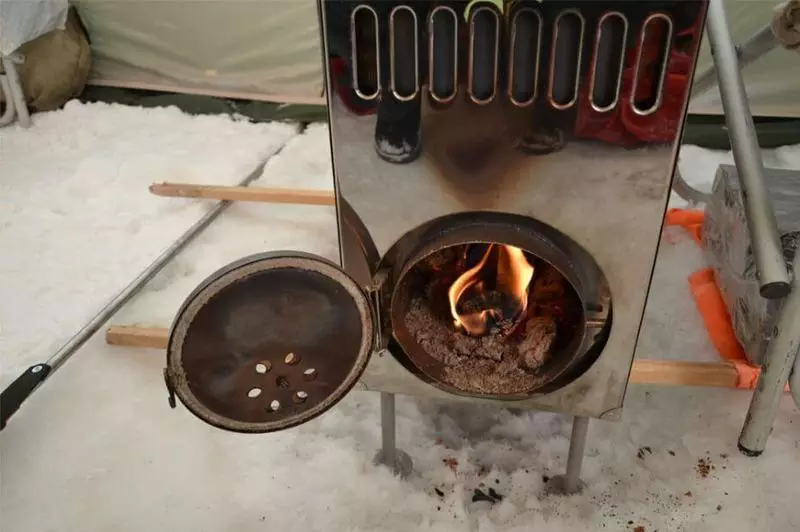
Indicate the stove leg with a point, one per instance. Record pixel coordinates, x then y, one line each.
389 455
571 482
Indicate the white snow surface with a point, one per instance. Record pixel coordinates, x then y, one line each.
97 448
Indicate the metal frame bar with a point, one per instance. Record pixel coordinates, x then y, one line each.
773 276
781 356
753 49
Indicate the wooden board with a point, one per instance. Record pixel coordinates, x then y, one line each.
721 374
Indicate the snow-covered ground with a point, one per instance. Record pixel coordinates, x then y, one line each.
98 449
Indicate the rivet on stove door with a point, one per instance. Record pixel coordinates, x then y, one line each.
291 359
274 406
310 374
300 397
263 366
253 393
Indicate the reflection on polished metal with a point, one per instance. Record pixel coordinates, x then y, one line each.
443 54
662 47
484 54
365 35
566 56
399 35
574 179
609 61
524 55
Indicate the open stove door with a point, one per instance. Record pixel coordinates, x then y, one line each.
269 342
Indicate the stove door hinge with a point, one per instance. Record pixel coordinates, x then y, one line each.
377 296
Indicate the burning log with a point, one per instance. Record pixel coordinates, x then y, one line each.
488 315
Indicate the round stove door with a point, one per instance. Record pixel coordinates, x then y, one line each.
269 342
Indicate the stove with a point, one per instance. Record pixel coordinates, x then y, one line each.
501 174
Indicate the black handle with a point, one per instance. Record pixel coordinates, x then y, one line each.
15 394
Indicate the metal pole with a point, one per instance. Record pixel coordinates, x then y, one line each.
18 391
781 355
763 228
577 445
571 483
794 381
751 50
388 428
389 455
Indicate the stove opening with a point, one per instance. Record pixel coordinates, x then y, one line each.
489 318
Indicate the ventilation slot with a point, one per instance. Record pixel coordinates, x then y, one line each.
404 53
443 52
484 48
609 61
655 43
524 52
565 59
366 60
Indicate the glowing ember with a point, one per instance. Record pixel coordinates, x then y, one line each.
513 276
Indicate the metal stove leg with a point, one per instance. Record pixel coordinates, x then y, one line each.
389 455
775 369
571 482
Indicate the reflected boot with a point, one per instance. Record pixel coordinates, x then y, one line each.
398 131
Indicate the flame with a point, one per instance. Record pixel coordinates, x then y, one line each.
514 274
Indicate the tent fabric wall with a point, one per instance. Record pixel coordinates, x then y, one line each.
773 82
270 50
250 49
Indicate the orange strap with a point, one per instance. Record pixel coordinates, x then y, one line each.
712 307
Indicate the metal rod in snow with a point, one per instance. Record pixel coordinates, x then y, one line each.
18 391
773 277
776 367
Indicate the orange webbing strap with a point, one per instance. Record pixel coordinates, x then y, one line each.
712 307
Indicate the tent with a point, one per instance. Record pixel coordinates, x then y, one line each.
270 50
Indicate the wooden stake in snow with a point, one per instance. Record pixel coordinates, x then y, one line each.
660 372
230 193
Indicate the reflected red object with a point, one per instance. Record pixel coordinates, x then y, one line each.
622 125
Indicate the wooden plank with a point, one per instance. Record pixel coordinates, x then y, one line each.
260 194
684 373
134 336
659 372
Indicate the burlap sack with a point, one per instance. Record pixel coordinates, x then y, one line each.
56 66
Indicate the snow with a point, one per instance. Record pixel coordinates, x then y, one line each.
98 449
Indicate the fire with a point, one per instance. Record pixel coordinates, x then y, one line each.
514 274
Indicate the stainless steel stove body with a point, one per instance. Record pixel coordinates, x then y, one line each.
552 126
525 143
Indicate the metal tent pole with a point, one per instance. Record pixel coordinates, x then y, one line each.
18 391
772 274
17 96
753 49
781 355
